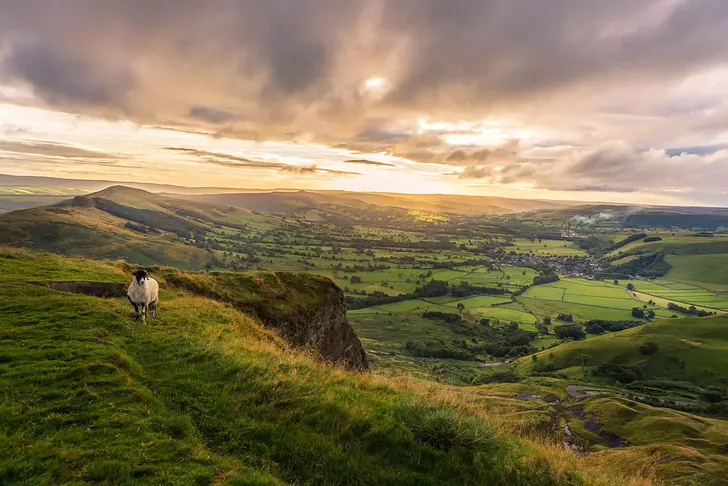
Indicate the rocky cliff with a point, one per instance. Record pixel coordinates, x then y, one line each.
307 310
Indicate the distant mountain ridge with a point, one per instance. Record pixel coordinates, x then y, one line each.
425 202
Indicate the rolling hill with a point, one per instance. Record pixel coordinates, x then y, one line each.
300 202
121 222
693 350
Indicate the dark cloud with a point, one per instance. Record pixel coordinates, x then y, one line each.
296 67
211 115
508 152
369 162
67 77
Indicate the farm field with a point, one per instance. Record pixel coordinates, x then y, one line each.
584 299
710 271
680 292
680 243
546 247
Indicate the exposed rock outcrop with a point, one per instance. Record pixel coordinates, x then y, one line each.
323 327
306 310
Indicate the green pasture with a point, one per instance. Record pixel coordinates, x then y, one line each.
546 247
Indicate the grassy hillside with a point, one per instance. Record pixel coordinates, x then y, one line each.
10 202
693 350
205 395
121 222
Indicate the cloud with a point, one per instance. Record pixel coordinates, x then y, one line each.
9 129
507 152
473 172
212 115
613 167
312 169
369 162
66 76
582 73
54 149
236 162
297 67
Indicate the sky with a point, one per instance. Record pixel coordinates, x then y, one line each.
604 100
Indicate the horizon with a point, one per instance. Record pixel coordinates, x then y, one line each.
435 97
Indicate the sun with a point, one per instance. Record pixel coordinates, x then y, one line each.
375 82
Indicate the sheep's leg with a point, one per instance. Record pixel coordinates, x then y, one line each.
144 313
154 309
136 307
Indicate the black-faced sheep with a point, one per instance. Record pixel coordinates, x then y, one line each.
143 292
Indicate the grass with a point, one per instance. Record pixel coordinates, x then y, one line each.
707 270
206 395
686 444
584 299
693 350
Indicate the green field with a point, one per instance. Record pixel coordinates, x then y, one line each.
680 292
710 271
550 247
584 299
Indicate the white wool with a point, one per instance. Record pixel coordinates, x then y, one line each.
144 294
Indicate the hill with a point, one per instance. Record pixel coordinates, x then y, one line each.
10 184
206 395
279 198
657 389
301 202
122 222
691 350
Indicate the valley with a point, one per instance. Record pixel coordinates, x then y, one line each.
513 312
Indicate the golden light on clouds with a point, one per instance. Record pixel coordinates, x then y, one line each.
477 97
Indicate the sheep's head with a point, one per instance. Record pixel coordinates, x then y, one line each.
140 276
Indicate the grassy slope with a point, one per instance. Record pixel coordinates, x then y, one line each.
693 259
702 343
205 395
90 231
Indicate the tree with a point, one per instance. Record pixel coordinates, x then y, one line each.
649 348
355 279
616 282
547 321
567 331
630 286
461 307
638 313
650 314
584 359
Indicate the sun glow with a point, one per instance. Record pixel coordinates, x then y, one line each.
376 82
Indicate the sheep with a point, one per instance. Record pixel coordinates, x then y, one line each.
143 292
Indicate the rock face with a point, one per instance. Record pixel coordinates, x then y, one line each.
323 327
306 310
